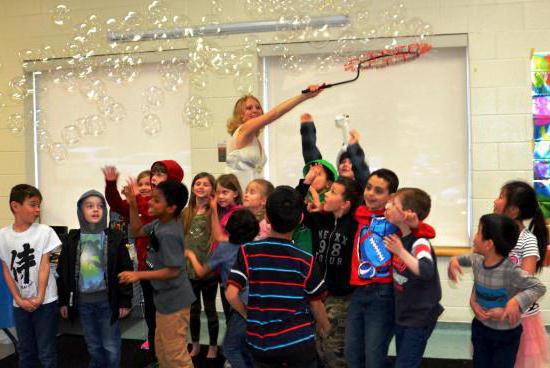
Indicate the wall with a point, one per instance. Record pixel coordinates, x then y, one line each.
501 34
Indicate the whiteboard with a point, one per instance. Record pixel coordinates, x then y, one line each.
413 119
124 144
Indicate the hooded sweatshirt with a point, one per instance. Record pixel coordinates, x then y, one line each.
173 169
92 253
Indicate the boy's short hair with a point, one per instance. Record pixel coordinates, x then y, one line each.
284 209
416 200
20 192
389 177
242 226
159 168
352 191
502 230
175 193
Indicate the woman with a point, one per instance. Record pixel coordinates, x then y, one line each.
246 157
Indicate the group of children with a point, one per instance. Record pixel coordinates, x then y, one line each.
322 274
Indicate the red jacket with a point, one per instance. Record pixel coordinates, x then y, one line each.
363 215
175 172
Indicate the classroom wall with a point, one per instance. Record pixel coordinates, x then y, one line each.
501 34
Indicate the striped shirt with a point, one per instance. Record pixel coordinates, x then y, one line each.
282 279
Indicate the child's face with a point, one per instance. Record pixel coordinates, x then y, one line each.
376 193
28 211
158 206
334 198
226 197
499 204
158 177
252 109
202 188
345 169
254 198
394 211
144 186
321 181
480 244
93 209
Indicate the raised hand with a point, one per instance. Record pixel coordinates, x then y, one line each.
354 137
110 173
306 118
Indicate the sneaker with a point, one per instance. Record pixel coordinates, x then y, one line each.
145 345
226 364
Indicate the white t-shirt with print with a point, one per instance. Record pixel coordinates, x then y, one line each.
22 253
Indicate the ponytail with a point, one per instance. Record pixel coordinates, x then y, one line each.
538 228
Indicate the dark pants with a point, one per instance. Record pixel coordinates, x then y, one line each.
226 306
302 355
208 288
411 343
102 337
149 313
235 347
369 326
37 333
494 348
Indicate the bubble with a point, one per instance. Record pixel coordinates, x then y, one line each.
216 6
245 83
16 124
93 89
2 103
91 125
154 96
172 81
61 15
43 139
151 124
116 112
58 151
18 88
70 135
195 113
199 80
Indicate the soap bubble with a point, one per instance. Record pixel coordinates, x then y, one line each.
43 139
195 113
93 89
115 112
2 103
91 125
199 80
61 15
70 135
154 96
58 151
151 124
18 88
16 124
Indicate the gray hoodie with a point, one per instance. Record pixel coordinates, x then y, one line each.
86 227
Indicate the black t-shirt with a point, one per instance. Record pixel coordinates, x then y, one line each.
417 296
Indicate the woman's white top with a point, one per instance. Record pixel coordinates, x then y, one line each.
247 163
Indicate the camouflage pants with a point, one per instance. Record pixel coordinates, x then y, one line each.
331 348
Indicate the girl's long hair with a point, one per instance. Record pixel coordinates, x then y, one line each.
189 211
523 196
238 111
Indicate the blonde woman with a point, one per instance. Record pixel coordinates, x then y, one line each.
246 157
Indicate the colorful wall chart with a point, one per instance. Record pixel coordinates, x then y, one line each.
540 77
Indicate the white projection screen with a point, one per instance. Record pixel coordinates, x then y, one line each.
124 144
412 117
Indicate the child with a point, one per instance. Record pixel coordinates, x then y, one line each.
351 163
518 201
25 250
416 284
90 261
333 232
325 175
242 227
160 171
255 197
166 270
282 281
196 227
501 288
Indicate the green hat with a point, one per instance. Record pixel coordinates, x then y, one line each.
332 174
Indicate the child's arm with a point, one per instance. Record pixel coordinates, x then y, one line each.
23 303
200 269
320 314
115 201
167 273
136 226
308 132
315 205
359 165
419 261
218 235
125 291
454 269
531 290
232 296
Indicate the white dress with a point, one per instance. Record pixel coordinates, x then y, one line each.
246 163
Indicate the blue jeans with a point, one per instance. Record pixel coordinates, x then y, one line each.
494 348
37 333
102 338
235 347
410 343
369 326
